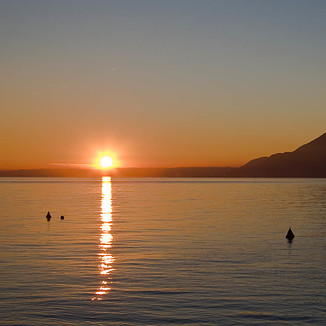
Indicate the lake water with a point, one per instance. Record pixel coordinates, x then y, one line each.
162 251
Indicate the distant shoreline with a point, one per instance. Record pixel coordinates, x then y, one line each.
121 172
188 172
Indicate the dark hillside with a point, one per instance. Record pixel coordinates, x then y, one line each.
308 160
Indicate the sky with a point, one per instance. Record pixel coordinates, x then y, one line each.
159 83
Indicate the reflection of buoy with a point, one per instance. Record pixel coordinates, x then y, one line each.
62 217
290 235
48 216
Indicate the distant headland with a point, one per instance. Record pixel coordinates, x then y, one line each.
307 161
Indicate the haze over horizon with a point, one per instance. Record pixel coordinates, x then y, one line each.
171 83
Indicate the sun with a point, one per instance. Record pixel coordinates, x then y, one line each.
106 162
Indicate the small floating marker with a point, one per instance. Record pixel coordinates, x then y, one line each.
48 216
62 217
290 235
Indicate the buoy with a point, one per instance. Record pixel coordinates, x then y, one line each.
290 235
62 217
48 216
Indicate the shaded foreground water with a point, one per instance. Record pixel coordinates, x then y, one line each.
159 251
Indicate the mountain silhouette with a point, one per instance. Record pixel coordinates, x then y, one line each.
308 160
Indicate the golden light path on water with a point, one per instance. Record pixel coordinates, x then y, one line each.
105 243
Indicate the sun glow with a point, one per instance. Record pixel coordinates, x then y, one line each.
106 162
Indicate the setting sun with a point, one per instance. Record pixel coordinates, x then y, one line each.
106 162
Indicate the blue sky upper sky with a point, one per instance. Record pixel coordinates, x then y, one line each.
160 82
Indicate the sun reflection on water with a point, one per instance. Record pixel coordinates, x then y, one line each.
105 243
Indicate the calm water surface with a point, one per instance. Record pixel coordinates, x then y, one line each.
162 251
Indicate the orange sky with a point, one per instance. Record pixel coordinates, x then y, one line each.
209 84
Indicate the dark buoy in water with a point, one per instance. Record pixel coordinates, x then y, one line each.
290 235
48 216
62 217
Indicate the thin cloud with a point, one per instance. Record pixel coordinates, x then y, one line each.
80 165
